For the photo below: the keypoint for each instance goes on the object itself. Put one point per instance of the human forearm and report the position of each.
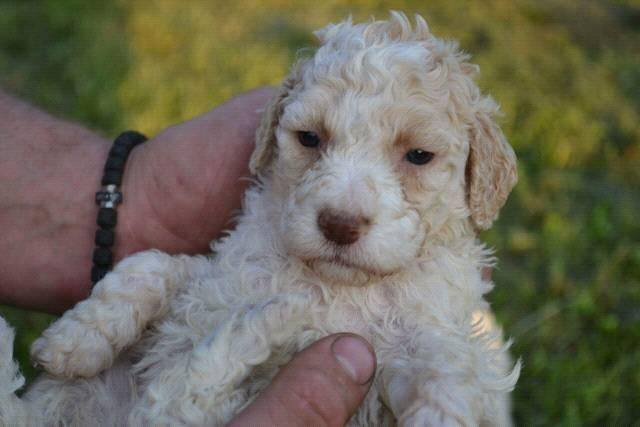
(49, 170)
(180, 189)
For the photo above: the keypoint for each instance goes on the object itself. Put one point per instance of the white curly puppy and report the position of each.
(378, 162)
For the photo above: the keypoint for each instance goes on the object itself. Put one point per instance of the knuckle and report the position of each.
(319, 399)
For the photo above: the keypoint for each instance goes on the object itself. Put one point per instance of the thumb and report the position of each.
(322, 386)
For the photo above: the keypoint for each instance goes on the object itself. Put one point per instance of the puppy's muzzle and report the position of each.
(342, 228)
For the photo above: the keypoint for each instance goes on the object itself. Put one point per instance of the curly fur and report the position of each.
(168, 340)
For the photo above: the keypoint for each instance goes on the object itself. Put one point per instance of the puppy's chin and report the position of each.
(340, 273)
(343, 273)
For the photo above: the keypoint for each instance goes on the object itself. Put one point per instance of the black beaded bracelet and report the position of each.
(108, 198)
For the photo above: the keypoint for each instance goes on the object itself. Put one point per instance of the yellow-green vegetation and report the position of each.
(567, 75)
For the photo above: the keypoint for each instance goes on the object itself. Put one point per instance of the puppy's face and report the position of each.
(369, 153)
(368, 174)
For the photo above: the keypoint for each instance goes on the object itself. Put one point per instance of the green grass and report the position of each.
(567, 75)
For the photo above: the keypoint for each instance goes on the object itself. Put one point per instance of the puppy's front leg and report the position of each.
(441, 379)
(205, 387)
(87, 338)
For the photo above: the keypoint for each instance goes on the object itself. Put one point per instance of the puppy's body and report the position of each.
(408, 279)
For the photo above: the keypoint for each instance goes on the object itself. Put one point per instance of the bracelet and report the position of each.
(107, 199)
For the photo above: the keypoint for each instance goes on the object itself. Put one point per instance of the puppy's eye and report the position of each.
(308, 139)
(419, 157)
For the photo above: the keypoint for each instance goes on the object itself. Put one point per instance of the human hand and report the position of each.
(182, 186)
(322, 386)
(180, 189)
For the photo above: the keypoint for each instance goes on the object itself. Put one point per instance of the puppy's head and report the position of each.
(379, 146)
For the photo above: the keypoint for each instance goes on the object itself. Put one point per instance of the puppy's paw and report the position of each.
(87, 338)
(70, 349)
(79, 344)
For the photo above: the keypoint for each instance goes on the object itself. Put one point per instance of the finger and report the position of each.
(322, 386)
(486, 273)
(196, 166)
(238, 117)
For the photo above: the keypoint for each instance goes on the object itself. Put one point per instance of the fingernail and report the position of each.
(356, 358)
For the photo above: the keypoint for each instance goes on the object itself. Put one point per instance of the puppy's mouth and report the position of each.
(341, 265)
(338, 260)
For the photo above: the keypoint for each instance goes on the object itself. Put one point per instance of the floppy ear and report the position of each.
(491, 166)
(266, 143)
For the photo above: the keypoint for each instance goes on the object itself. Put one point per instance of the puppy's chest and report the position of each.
(385, 312)
(393, 312)
(374, 313)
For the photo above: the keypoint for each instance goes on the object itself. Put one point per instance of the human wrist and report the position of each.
(52, 171)
(108, 199)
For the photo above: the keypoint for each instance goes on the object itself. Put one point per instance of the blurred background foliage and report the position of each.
(567, 74)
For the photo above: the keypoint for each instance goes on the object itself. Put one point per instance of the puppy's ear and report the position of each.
(491, 166)
(266, 143)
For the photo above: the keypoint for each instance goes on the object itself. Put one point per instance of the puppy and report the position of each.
(378, 161)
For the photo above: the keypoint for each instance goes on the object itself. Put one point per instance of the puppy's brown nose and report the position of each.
(341, 227)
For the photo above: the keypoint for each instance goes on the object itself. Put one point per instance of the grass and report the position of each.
(567, 75)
